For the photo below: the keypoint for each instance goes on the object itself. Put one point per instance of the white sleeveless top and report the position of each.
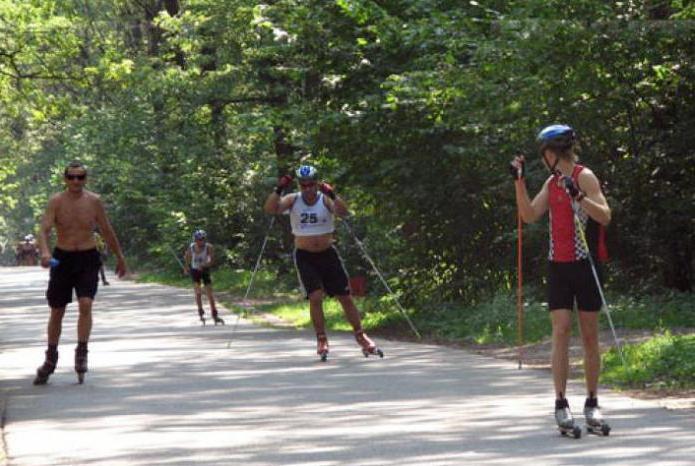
(311, 220)
(199, 259)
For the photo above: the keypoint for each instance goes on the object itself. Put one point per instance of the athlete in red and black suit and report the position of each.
(572, 196)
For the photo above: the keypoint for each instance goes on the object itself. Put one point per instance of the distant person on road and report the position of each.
(74, 262)
(27, 252)
(573, 197)
(103, 255)
(198, 260)
(319, 265)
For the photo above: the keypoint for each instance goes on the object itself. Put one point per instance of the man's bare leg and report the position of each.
(213, 306)
(588, 324)
(353, 316)
(54, 329)
(562, 330)
(84, 330)
(55, 325)
(199, 301)
(316, 312)
(84, 321)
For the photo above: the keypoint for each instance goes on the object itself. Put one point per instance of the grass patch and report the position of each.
(492, 321)
(654, 312)
(665, 361)
(234, 281)
(296, 313)
(489, 322)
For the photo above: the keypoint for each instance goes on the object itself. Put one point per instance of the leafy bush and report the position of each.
(666, 361)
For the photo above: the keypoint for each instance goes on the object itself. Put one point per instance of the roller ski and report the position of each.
(565, 421)
(80, 364)
(217, 319)
(368, 346)
(46, 369)
(322, 346)
(595, 424)
(201, 317)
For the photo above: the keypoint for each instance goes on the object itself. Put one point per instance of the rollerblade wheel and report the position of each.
(577, 432)
(605, 430)
(80, 378)
(324, 356)
(40, 380)
(380, 353)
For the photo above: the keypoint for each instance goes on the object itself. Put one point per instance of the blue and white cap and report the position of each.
(200, 234)
(306, 173)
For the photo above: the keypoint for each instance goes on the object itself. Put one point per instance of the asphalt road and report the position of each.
(163, 390)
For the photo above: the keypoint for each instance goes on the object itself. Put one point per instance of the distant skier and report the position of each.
(198, 259)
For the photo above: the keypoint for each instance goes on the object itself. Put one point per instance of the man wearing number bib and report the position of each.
(319, 266)
(198, 260)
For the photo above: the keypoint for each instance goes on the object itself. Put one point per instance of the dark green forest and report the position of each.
(187, 111)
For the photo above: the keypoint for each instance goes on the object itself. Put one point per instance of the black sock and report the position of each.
(52, 353)
(81, 346)
(591, 402)
(561, 403)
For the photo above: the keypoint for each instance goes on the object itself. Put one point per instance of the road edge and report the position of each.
(4, 458)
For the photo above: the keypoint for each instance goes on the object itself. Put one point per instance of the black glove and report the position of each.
(283, 182)
(517, 168)
(571, 188)
(327, 189)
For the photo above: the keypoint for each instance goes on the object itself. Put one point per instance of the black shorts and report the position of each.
(204, 275)
(78, 270)
(321, 270)
(568, 281)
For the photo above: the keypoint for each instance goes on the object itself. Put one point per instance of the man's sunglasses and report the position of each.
(76, 177)
(307, 185)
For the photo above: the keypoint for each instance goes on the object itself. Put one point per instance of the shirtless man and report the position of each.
(319, 266)
(74, 263)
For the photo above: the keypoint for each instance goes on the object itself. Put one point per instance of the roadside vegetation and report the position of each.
(664, 360)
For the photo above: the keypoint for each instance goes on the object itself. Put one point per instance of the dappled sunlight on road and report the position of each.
(162, 389)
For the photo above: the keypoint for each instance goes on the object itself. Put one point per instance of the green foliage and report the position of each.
(186, 115)
(660, 311)
(234, 282)
(665, 361)
(492, 321)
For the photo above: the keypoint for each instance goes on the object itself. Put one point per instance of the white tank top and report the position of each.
(311, 220)
(199, 259)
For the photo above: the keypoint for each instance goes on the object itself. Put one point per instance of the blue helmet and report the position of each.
(200, 234)
(307, 173)
(556, 134)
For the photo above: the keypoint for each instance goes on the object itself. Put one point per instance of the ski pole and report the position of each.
(519, 289)
(177, 258)
(253, 275)
(582, 236)
(381, 277)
